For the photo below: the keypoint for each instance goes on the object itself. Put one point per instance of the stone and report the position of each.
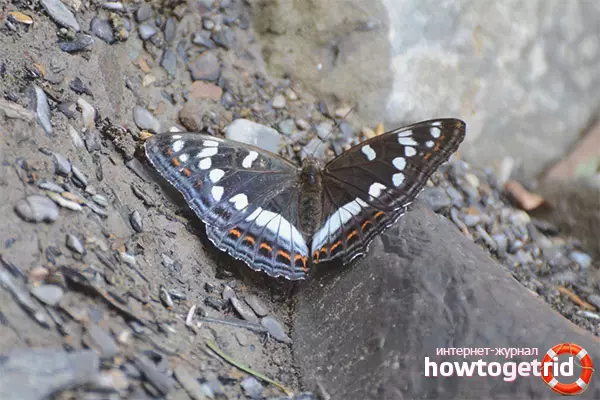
(169, 62)
(203, 90)
(102, 29)
(205, 67)
(37, 208)
(42, 110)
(249, 132)
(60, 14)
(48, 294)
(423, 286)
(145, 120)
(275, 329)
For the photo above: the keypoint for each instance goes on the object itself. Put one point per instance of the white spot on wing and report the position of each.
(435, 131)
(429, 144)
(215, 175)
(398, 179)
(210, 143)
(278, 225)
(249, 159)
(399, 163)
(177, 145)
(205, 163)
(407, 141)
(176, 137)
(184, 157)
(239, 201)
(368, 151)
(335, 221)
(404, 134)
(217, 192)
(375, 189)
(207, 152)
(409, 151)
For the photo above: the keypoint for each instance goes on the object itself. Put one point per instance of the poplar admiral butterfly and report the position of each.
(283, 219)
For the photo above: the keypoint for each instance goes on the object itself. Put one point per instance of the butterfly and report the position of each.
(284, 219)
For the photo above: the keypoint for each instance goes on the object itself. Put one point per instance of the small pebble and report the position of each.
(75, 244)
(208, 23)
(37, 208)
(303, 124)
(287, 126)
(257, 305)
(101, 341)
(584, 260)
(61, 201)
(290, 94)
(278, 101)
(48, 294)
(136, 221)
(79, 87)
(102, 29)
(170, 29)
(243, 310)
(51, 186)
(145, 120)
(42, 110)
(165, 297)
(79, 177)
(100, 200)
(61, 164)
(79, 43)
(147, 31)
(169, 62)
(588, 314)
(224, 38)
(144, 12)
(471, 220)
(228, 293)
(252, 387)
(88, 113)
(203, 39)
(241, 338)
(191, 385)
(275, 329)
(60, 14)
(205, 67)
(436, 198)
(128, 259)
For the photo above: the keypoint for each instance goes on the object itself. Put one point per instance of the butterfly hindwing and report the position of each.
(240, 192)
(367, 188)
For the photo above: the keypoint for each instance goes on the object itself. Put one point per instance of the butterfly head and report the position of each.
(311, 171)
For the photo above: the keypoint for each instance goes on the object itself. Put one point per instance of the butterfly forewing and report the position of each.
(242, 193)
(369, 186)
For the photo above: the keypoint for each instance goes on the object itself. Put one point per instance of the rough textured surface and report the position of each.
(363, 332)
(523, 76)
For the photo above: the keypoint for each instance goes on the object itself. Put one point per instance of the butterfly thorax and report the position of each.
(310, 210)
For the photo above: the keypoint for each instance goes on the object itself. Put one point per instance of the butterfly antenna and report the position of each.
(336, 126)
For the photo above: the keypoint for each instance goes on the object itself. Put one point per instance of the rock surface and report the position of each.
(364, 332)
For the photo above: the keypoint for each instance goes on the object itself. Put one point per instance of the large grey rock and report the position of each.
(523, 76)
(363, 332)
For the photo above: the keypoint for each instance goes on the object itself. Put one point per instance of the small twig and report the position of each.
(214, 347)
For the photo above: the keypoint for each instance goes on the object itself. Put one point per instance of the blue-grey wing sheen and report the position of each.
(367, 188)
(247, 197)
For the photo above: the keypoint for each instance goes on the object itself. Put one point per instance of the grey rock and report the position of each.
(324, 129)
(147, 30)
(224, 38)
(455, 293)
(436, 198)
(75, 244)
(314, 148)
(242, 339)
(37, 208)
(165, 297)
(275, 329)
(185, 377)
(41, 373)
(203, 39)
(61, 201)
(20, 293)
(208, 23)
(136, 221)
(471, 220)
(42, 110)
(61, 164)
(594, 299)
(455, 195)
(252, 387)
(48, 294)
(100, 200)
(101, 341)
(249, 132)
(60, 14)
(170, 29)
(169, 62)
(144, 12)
(228, 293)
(145, 120)
(287, 126)
(205, 67)
(584, 260)
(79, 43)
(102, 29)
(69, 109)
(51, 186)
(257, 305)
(278, 101)
(160, 380)
(79, 177)
(243, 310)
(79, 87)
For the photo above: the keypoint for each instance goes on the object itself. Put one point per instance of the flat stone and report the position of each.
(48, 294)
(147, 30)
(457, 297)
(252, 387)
(257, 305)
(41, 373)
(42, 110)
(275, 329)
(169, 62)
(145, 120)
(61, 164)
(136, 221)
(60, 14)
(144, 12)
(191, 385)
(249, 132)
(205, 67)
(79, 177)
(101, 341)
(102, 29)
(278, 101)
(79, 43)
(37, 208)
(228, 293)
(159, 379)
(243, 310)
(75, 244)
(203, 90)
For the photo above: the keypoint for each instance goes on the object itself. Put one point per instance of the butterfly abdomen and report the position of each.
(310, 210)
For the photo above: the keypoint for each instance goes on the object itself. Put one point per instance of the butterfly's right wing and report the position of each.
(247, 197)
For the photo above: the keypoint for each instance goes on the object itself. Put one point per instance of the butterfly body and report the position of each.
(284, 219)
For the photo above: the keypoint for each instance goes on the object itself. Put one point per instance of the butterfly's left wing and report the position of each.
(367, 188)
(247, 197)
